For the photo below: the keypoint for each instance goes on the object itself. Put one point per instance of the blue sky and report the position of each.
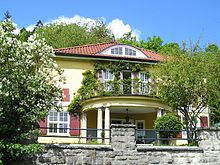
(172, 20)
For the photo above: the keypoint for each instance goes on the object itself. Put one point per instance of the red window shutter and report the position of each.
(179, 135)
(66, 95)
(43, 126)
(204, 121)
(74, 124)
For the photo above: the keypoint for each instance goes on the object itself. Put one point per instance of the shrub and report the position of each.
(166, 123)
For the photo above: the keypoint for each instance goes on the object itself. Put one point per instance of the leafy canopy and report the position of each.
(67, 35)
(29, 88)
(188, 82)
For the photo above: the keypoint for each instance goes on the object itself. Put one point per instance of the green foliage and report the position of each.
(170, 49)
(29, 88)
(168, 122)
(91, 86)
(189, 79)
(212, 48)
(23, 35)
(154, 43)
(67, 35)
(15, 151)
(215, 115)
(214, 101)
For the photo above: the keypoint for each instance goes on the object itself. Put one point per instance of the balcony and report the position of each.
(125, 87)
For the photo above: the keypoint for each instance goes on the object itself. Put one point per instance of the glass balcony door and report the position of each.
(126, 77)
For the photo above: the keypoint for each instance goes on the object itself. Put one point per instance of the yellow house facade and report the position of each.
(133, 102)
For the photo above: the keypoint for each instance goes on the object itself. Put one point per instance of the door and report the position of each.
(140, 126)
(126, 76)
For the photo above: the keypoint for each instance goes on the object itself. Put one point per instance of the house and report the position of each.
(118, 89)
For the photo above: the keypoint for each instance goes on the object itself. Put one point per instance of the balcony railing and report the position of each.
(152, 136)
(91, 134)
(125, 87)
(143, 136)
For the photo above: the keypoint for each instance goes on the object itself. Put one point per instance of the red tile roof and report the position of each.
(94, 50)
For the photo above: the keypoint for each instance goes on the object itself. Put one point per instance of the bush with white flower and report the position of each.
(29, 87)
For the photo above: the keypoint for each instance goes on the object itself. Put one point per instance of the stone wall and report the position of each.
(124, 151)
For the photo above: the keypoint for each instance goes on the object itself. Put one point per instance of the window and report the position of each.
(130, 52)
(140, 125)
(117, 50)
(58, 122)
(144, 83)
(107, 78)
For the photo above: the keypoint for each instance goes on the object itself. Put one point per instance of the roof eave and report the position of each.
(102, 58)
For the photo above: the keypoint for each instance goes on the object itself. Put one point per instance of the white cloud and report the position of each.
(117, 26)
(30, 27)
(76, 19)
(17, 30)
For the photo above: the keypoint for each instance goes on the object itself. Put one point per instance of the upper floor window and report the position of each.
(130, 52)
(58, 122)
(107, 77)
(117, 50)
(143, 77)
(144, 86)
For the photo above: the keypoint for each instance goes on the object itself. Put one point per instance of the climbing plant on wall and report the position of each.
(93, 86)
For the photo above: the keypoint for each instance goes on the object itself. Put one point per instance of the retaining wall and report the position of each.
(124, 151)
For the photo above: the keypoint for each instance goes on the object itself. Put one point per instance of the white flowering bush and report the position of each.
(29, 87)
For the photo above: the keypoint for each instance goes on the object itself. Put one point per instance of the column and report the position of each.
(83, 127)
(159, 113)
(107, 125)
(99, 125)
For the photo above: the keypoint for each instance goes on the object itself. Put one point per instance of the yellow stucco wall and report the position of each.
(149, 118)
(66, 140)
(91, 119)
(73, 70)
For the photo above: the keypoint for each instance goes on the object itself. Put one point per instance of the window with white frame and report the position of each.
(144, 83)
(117, 50)
(140, 125)
(130, 52)
(58, 122)
(108, 76)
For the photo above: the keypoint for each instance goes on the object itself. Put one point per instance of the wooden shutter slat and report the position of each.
(74, 124)
(204, 121)
(43, 126)
(66, 95)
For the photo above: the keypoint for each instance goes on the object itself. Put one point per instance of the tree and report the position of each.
(187, 84)
(152, 43)
(214, 103)
(129, 39)
(24, 35)
(67, 35)
(29, 88)
(171, 49)
(212, 48)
